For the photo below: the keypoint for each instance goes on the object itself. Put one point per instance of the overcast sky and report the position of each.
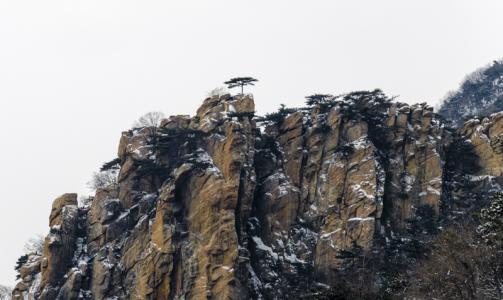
(74, 74)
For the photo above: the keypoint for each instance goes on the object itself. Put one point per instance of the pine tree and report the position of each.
(240, 82)
(316, 99)
(20, 262)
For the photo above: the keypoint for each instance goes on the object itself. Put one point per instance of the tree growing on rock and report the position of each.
(218, 91)
(316, 99)
(151, 121)
(34, 245)
(103, 179)
(19, 263)
(113, 164)
(106, 177)
(277, 117)
(240, 82)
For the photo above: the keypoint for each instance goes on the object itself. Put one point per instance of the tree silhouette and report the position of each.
(19, 263)
(240, 82)
(318, 99)
(151, 121)
(278, 116)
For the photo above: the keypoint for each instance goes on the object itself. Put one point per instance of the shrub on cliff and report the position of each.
(19, 263)
(103, 179)
(465, 260)
(151, 121)
(111, 165)
(34, 245)
(218, 91)
(277, 117)
(491, 219)
(317, 99)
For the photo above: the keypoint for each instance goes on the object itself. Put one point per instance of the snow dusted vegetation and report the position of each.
(480, 94)
(5, 292)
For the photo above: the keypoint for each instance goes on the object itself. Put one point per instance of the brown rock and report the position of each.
(487, 138)
(180, 121)
(222, 211)
(59, 245)
(57, 206)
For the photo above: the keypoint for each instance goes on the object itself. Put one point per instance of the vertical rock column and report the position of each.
(59, 245)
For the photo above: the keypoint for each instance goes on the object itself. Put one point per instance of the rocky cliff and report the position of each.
(221, 206)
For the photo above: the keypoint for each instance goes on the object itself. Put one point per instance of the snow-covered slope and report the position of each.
(480, 94)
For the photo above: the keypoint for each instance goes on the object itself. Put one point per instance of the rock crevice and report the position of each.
(218, 206)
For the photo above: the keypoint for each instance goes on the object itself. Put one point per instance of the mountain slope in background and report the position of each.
(480, 94)
(340, 196)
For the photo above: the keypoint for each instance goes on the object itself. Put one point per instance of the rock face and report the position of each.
(215, 207)
(59, 246)
(486, 136)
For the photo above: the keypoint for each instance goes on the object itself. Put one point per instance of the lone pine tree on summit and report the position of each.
(240, 82)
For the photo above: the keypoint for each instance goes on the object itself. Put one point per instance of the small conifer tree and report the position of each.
(240, 82)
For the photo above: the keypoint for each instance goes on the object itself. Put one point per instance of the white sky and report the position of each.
(74, 74)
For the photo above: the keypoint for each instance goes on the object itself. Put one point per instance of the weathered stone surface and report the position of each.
(59, 246)
(174, 122)
(72, 286)
(211, 207)
(487, 138)
(329, 175)
(57, 207)
(30, 278)
(30, 268)
(214, 109)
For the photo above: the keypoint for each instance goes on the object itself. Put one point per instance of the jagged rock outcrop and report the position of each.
(59, 245)
(30, 278)
(43, 275)
(337, 179)
(486, 136)
(217, 207)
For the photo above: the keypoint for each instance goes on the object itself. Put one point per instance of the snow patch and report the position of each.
(357, 219)
(261, 246)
